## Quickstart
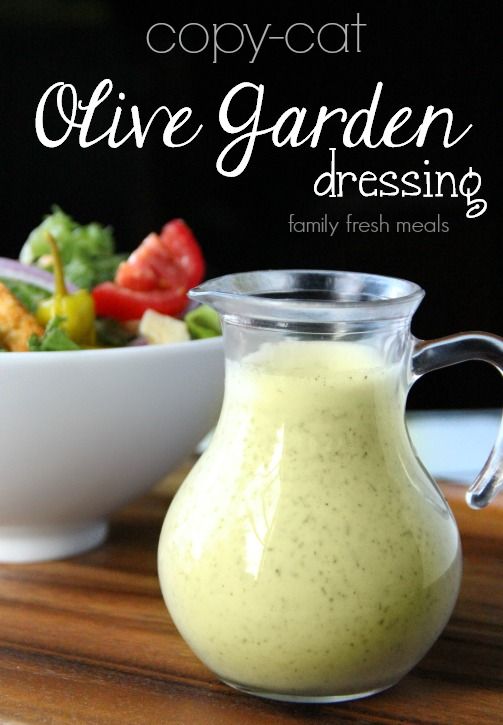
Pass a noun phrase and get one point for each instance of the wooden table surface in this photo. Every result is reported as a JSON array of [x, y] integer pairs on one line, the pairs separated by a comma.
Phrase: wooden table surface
[[88, 640]]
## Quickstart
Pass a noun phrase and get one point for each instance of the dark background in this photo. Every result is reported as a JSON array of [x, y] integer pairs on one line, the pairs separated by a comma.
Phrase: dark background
[[444, 54]]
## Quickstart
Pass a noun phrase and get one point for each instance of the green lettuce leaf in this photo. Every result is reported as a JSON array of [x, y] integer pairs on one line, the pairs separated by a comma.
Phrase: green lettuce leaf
[[111, 333], [28, 294], [87, 250], [54, 339]]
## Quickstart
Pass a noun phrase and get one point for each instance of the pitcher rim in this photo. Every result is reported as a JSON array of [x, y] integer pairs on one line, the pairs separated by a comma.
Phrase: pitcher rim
[[247, 293]]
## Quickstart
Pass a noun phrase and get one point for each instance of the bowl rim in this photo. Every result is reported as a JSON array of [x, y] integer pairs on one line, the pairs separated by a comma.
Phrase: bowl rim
[[130, 352]]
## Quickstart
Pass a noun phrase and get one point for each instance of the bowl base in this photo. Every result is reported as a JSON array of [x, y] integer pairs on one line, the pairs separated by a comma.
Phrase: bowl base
[[24, 544]]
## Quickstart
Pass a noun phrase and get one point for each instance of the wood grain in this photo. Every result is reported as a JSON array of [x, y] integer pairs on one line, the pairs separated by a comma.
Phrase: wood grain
[[88, 640]]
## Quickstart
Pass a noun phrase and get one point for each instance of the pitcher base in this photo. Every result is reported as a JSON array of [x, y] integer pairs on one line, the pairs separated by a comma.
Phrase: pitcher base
[[313, 699]]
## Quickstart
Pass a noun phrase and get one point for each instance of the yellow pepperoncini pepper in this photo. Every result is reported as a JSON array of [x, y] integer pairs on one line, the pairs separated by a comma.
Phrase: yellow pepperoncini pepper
[[75, 310]]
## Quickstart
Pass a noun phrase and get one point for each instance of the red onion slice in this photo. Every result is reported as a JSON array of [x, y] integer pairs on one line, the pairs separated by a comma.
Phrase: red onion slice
[[12, 269]]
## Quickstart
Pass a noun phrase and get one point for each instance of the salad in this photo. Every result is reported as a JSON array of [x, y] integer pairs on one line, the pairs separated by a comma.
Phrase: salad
[[70, 290]]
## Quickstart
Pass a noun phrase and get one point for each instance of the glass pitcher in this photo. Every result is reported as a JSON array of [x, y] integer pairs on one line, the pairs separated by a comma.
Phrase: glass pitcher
[[309, 556]]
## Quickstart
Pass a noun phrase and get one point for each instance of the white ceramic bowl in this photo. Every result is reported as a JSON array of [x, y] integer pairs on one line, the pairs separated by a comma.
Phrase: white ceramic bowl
[[83, 433]]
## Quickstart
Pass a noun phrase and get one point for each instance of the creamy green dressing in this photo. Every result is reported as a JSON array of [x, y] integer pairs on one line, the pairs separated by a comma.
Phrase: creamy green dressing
[[308, 552]]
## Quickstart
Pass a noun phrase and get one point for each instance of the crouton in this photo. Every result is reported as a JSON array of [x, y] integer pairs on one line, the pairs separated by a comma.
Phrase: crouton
[[17, 325]]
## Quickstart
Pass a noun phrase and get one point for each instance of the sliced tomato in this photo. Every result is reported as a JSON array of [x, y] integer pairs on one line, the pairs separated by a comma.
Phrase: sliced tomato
[[156, 276], [147, 269], [112, 300], [182, 245], [162, 261]]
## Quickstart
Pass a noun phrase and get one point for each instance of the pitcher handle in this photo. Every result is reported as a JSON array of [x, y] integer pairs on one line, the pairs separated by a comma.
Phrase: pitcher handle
[[434, 354]]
